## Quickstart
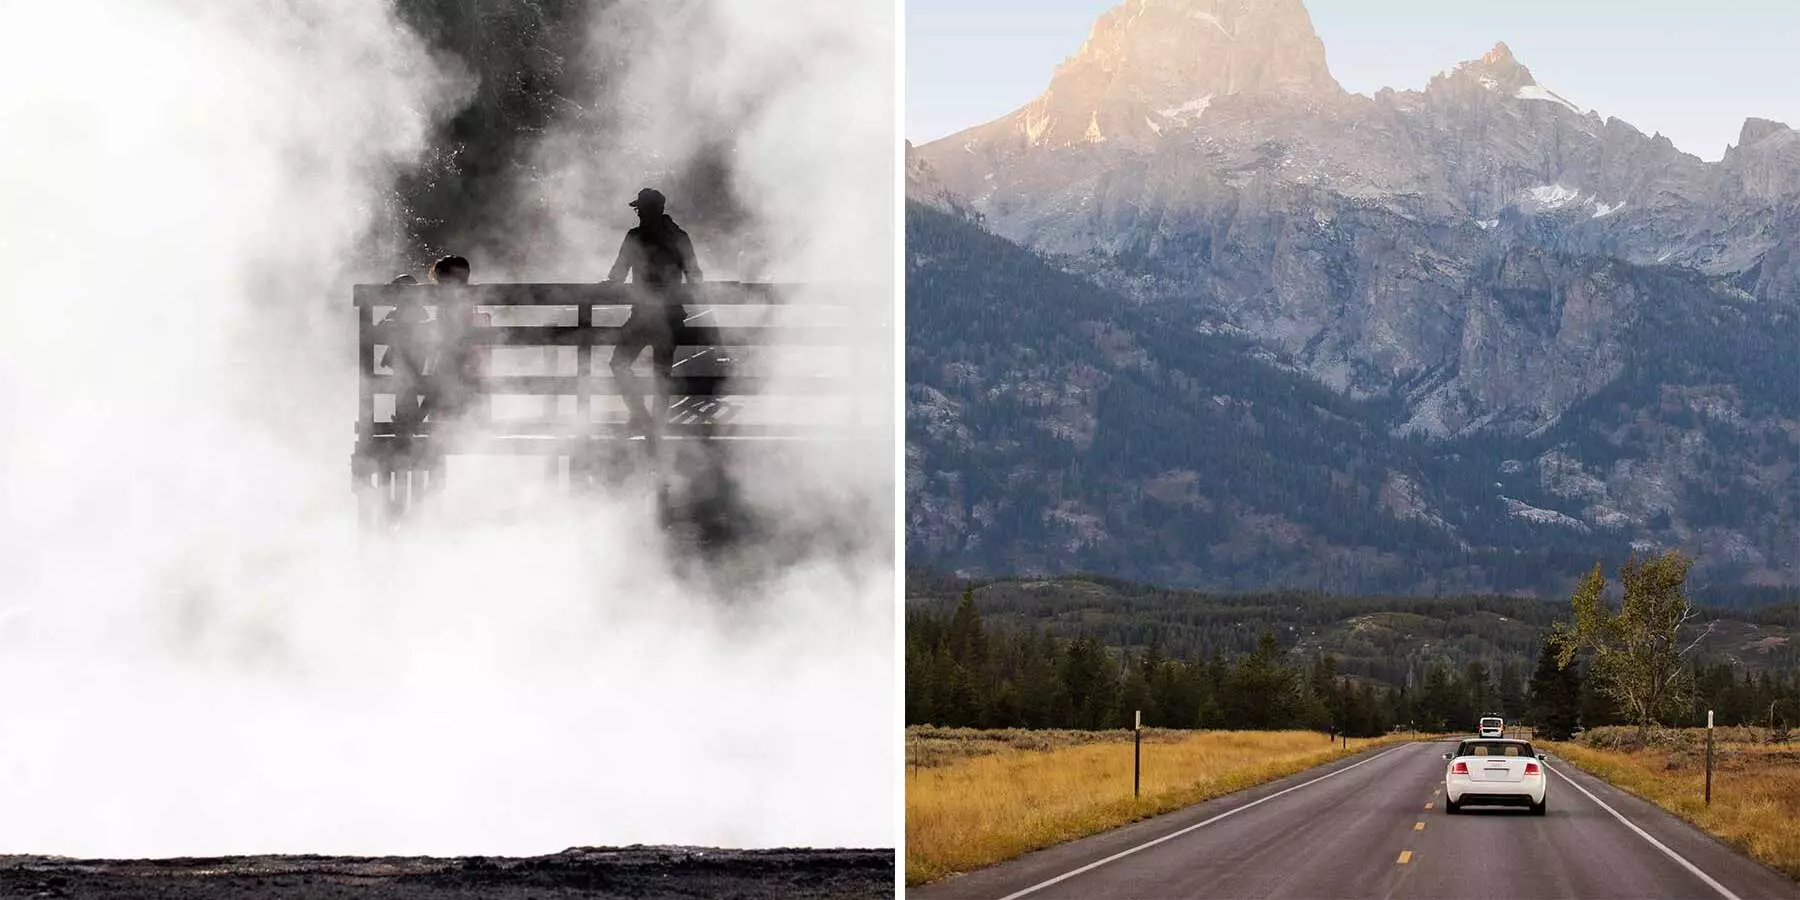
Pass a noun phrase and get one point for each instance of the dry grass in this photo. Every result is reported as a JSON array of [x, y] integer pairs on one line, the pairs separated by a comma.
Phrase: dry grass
[[1756, 785], [928, 747], [974, 798]]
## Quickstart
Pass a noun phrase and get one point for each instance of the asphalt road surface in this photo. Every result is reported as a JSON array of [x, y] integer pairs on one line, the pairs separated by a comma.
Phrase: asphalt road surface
[[631, 872], [1373, 825]]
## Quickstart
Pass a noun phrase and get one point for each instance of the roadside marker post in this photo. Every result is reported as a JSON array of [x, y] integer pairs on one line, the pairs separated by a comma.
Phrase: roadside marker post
[[1709, 756], [1137, 751]]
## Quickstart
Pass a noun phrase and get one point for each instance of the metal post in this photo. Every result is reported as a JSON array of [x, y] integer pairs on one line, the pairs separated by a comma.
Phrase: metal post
[[1137, 752], [1709, 756]]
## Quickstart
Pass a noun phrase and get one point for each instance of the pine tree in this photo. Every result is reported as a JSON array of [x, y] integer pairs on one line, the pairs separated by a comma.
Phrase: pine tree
[[1261, 693], [1555, 695]]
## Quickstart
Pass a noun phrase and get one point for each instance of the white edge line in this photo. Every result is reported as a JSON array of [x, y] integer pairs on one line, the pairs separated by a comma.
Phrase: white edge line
[[1175, 834], [1723, 891]]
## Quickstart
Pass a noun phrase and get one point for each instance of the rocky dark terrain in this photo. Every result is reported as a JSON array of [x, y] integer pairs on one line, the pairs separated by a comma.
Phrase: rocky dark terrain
[[631, 872], [1542, 328]]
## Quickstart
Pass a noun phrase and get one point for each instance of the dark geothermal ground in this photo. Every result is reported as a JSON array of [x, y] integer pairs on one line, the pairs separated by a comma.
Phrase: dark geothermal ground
[[635, 872]]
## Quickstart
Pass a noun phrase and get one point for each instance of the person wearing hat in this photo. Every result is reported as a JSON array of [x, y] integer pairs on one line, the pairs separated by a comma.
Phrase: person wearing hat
[[657, 255]]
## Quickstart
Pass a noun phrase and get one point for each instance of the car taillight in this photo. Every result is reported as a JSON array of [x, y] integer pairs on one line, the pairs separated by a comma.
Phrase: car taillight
[[1531, 768], [1460, 768]]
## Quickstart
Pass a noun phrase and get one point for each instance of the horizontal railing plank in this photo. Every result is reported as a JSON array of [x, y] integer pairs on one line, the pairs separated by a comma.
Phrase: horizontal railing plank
[[711, 293], [606, 335], [382, 435], [600, 385]]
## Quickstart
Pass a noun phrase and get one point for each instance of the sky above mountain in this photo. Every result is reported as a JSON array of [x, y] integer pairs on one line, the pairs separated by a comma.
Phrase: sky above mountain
[[1691, 71]]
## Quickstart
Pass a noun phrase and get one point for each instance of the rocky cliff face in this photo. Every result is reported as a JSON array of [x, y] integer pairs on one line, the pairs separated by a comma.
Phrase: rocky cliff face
[[1483, 257], [1362, 236], [924, 187]]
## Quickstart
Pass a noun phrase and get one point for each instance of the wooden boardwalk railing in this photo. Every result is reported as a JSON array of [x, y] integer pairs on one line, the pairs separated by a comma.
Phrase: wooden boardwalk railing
[[401, 457]]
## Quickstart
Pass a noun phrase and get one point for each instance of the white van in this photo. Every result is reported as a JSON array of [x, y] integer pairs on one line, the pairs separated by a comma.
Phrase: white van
[[1492, 727]]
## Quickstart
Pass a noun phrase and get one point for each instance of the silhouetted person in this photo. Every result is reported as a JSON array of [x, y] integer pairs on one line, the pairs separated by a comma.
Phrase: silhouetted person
[[658, 256], [450, 270], [407, 355], [414, 315], [458, 363]]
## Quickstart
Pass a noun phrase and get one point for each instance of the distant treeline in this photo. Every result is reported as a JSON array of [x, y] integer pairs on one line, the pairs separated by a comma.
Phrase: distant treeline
[[965, 670]]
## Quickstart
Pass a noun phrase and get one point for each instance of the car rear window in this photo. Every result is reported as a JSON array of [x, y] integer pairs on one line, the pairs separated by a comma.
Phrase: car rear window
[[1494, 748]]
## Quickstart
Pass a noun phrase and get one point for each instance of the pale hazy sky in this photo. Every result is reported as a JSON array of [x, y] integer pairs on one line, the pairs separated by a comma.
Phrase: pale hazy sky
[[1691, 70]]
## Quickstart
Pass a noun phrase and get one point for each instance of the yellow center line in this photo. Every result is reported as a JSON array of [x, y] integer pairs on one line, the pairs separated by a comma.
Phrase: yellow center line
[[1418, 826], [1405, 857], [1427, 806]]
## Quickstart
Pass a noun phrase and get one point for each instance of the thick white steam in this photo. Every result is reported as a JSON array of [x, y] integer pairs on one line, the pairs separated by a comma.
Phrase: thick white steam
[[198, 655]]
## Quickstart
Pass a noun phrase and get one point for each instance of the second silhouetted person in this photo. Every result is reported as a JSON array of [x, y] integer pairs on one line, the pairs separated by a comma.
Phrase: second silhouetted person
[[658, 256]]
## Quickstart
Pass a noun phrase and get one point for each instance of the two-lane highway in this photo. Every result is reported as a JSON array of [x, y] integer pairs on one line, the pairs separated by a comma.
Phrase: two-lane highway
[[1374, 826]]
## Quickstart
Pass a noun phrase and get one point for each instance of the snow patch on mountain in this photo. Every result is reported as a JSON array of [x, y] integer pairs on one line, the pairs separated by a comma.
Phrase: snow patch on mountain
[[1212, 20], [1522, 510], [1189, 112], [1539, 92], [1552, 196]]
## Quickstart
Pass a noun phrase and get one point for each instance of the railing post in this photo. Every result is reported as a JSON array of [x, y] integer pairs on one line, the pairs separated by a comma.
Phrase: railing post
[[365, 368], [584, 367], [582, 451]]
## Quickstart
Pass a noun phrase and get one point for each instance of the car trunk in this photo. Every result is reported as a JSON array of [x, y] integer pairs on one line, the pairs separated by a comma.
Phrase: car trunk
[[1496, 768]]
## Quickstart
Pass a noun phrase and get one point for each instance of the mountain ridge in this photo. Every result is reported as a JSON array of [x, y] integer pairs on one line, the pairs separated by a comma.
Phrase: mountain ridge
[[1477, 264]]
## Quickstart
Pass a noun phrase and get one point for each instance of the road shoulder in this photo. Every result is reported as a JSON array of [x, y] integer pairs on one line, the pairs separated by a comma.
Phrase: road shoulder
[[1736, 872]]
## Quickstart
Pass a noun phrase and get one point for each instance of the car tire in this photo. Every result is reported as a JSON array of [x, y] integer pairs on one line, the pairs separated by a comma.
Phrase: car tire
[[1451, 807], [1541, 807]]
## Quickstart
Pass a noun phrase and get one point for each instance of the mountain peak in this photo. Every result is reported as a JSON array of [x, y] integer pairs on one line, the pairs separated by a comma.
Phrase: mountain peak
[[1756, 129], [1212, 46], [1162, 62], [1497, 71], [1497, 68]]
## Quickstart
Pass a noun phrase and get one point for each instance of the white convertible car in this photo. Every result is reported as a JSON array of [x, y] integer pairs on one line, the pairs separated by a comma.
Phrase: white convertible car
[[1494, 772]]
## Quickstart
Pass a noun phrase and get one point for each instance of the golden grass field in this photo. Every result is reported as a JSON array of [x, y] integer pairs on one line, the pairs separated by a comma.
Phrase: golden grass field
[[974, 798], [1756, 785]]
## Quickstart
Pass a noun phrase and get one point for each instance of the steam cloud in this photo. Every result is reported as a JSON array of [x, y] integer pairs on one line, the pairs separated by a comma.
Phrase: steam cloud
[[197, 653]]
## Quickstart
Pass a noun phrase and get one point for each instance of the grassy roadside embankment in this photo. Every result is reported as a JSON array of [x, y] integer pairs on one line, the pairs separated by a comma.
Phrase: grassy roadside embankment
[[974, 798], [1756, 785]]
